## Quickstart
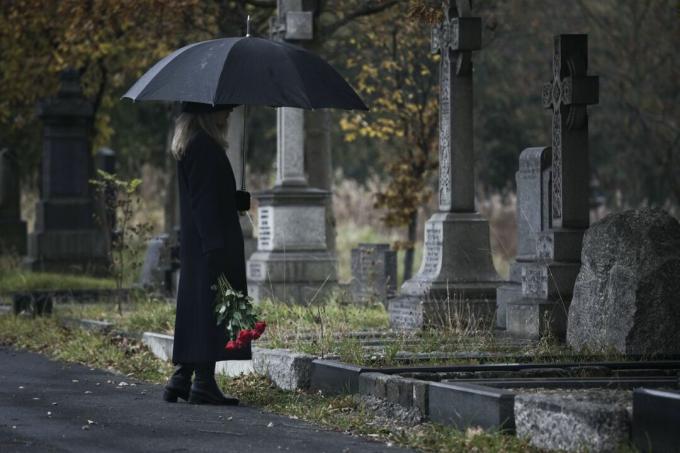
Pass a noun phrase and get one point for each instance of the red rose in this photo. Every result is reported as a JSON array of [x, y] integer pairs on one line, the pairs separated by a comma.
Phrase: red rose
[[231, 345], [256, 334], [245, 335], [260, 326], [238, 344]]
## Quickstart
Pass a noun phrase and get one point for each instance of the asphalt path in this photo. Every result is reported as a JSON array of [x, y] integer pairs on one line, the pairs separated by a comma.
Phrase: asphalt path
[[52, 406]]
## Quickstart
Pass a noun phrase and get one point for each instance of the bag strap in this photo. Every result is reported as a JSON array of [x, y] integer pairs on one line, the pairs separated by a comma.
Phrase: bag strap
[[243, 148]]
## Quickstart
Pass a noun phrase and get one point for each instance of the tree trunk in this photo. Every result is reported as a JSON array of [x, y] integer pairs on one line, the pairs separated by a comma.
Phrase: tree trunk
[[410, 252]]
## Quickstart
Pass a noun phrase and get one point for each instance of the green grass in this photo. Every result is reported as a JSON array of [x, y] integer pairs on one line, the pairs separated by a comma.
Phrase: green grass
[[345, 413], [30, 281], [47, 336], [142, 314]]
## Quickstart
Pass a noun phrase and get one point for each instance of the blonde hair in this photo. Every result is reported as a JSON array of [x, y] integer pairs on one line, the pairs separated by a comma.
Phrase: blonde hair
[[188, 124]]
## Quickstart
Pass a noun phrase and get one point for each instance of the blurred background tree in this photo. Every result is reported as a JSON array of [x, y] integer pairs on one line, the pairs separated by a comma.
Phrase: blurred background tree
[[382, 47]]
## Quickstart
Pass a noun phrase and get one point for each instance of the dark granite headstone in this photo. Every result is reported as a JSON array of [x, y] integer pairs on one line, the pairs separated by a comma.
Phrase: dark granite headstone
[[12, 228], [66, 237], [548, 279], [374, 273]]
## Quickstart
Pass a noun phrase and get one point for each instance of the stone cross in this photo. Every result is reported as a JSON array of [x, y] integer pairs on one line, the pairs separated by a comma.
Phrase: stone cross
[[456, 270], [455, 39], [568, 95], [291, 24]]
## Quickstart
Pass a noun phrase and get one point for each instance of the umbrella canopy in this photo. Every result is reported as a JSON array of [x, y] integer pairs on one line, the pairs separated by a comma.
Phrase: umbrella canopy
[[249, 71]]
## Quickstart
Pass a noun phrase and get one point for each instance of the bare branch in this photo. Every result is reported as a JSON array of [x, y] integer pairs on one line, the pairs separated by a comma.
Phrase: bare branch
[[367, 10]]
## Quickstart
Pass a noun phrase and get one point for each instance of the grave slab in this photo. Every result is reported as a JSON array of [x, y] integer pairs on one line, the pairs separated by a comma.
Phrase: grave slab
[[656, 418], [597, 420], [469, 405], [289, 370], [332, 377]]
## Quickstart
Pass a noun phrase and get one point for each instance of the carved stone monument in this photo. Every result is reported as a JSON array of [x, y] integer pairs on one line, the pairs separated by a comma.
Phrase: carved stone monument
[[12, 228], [66, 237], [292, 262], [533, 217], [456, 271], [548, 281], [374, 273]]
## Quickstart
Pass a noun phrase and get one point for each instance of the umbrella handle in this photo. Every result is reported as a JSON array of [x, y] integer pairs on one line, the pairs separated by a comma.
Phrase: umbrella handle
[[243, 148]]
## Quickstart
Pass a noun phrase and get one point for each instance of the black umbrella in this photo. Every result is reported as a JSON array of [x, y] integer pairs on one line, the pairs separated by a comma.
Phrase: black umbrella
[[248, 71]]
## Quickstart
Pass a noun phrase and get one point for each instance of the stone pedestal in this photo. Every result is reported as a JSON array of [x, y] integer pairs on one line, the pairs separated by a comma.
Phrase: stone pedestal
[[456, 282], [456, 277], [66, 237], [291, 263], [12, 228]]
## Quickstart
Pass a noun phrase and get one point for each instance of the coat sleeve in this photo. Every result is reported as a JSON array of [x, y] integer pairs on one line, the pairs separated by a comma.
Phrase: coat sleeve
[[210, 201]]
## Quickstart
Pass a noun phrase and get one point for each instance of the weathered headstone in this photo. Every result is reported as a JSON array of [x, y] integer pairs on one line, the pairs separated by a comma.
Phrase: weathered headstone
[[456, 271], [533, 217], [158, 266], [627, 294], [12, 228], [66, 237], [292, 262], [548, 281], [374, 273]]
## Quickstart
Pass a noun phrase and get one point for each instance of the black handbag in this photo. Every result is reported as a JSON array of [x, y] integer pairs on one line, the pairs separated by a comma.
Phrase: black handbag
[[243, 196]]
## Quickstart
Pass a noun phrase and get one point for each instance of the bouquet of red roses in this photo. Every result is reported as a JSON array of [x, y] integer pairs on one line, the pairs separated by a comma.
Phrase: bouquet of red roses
[[239, 315]]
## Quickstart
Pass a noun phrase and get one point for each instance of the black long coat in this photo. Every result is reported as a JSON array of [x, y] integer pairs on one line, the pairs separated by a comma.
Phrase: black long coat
[[211, 243]]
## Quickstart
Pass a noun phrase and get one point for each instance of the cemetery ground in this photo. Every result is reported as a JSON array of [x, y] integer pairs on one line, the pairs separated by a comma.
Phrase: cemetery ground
[[120, 352]]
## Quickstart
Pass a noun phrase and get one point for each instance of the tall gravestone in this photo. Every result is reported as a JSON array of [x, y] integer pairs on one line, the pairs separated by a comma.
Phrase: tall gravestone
[[548, 280], [533, 217], [66, 237], [456, 272], [12, 228], [292, 262]]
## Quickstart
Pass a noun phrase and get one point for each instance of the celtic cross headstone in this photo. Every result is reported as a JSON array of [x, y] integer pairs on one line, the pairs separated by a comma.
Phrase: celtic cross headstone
[[547, 278], [456, 269], [568, 95]]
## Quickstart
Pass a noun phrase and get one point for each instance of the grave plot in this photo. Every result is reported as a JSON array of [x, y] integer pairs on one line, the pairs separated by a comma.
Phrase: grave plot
[[555, 405]]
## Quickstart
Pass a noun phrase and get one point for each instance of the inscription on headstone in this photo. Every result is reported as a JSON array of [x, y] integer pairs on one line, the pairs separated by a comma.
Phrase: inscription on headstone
[[374, 273]]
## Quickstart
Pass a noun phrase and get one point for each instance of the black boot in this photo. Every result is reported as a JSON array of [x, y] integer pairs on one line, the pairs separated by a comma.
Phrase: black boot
[[204, 390], [179, 384]]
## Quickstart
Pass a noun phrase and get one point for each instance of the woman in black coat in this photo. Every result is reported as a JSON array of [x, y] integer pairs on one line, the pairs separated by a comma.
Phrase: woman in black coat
[[211, 243]]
